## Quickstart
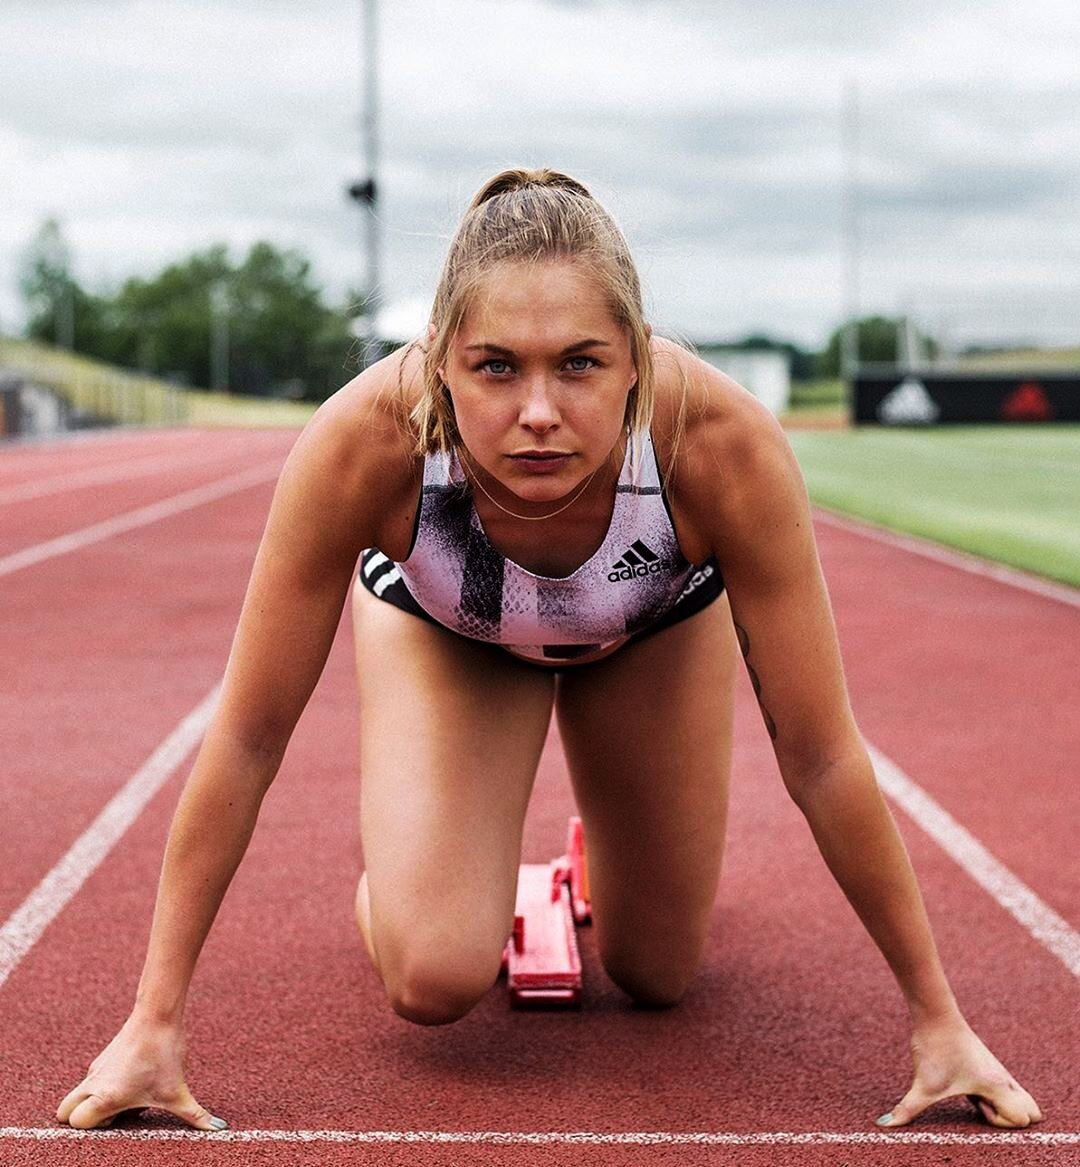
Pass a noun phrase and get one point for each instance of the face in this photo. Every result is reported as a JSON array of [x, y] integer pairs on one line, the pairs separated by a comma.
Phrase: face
[[539, 374]]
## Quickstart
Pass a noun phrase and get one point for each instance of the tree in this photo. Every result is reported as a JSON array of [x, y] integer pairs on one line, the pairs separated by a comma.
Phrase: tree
[[259, 326], [281, 333], [877, 343], [59, 311]]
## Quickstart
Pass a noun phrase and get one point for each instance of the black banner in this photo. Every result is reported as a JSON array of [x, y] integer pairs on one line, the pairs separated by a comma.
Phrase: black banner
[[934, 398]]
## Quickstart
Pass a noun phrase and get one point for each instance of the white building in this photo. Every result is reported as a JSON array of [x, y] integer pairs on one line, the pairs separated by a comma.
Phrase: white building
[[766, 373]]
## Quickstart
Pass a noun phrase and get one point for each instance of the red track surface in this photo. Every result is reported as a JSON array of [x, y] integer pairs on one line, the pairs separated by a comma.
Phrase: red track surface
[[793, 1024]]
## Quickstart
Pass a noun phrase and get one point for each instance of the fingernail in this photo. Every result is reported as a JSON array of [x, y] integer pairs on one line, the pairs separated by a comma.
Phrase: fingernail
[[885, 1119], [219, 1124]]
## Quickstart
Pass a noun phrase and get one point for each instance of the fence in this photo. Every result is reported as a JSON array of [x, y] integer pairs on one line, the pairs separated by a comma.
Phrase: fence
[[96, 394]]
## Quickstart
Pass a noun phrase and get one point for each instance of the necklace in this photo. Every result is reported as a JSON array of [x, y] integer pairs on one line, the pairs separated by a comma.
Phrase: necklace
[[533, 518]]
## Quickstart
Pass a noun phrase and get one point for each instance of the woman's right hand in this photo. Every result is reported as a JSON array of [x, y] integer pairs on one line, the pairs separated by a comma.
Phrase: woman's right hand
[[142, 1066]]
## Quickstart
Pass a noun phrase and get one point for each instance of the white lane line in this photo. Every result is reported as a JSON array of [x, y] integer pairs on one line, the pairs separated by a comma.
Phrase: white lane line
[[102, 436], [26, 924], [568, 1138], [1040, 920], [961, 560], [96, 476], [76, 540]]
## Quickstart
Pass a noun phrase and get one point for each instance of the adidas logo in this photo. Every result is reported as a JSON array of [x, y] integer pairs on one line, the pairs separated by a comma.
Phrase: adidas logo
[[637, 560], [908, 403]]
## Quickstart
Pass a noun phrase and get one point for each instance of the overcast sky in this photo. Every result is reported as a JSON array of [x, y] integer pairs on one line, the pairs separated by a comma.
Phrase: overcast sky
[[712, 130]]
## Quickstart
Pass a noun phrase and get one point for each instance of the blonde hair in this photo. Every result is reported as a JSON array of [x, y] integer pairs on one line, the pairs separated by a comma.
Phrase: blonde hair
[[530, 216]]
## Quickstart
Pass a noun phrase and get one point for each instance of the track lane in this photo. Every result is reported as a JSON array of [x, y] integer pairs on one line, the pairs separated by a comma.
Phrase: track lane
[[970, 686], [25, 525], [793, 1025], [23, 462], [108, 647], [791, 986]]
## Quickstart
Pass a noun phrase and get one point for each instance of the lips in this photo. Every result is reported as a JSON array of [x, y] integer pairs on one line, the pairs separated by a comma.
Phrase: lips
[[540, 460]]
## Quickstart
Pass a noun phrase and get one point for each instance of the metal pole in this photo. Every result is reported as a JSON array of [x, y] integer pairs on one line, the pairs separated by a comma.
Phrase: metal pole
[[849, 347], [371, 146], [219, 336], [366, 191], [65, 316]]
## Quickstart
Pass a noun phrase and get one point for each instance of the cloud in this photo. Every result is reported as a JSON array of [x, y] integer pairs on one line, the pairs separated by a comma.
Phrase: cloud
[[712, 132]]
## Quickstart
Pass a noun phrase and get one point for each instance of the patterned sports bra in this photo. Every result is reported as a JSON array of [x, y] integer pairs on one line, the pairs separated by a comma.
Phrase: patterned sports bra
[[462, 582]]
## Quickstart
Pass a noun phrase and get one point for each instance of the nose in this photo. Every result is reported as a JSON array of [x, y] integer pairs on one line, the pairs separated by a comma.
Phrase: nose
[[539, 410]]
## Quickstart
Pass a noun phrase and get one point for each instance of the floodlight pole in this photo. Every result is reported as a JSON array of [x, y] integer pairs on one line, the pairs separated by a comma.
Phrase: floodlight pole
[[850, 231], [219, 336], [366, 191]]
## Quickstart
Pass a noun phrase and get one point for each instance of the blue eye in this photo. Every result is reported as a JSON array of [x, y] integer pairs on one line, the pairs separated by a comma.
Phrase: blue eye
[[495, 361], [589, 363]]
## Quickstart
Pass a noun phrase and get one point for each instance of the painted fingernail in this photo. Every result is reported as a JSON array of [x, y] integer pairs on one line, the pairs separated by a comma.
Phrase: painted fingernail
[[218, 1124], [885, 1119]]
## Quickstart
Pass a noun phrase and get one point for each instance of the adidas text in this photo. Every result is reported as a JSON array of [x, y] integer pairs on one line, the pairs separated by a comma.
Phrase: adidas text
[[642, 569]]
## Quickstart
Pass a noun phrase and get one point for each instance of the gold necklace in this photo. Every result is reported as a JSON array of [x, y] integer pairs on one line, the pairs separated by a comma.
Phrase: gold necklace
[[532, 518]]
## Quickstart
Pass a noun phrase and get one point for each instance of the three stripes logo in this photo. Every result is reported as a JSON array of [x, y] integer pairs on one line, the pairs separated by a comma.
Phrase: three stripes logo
[[637, 560]]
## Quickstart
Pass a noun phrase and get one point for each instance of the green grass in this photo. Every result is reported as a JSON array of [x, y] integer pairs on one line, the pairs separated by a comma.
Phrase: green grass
[[1010, 493], [806, 394], [1026, 360], [230, 409]]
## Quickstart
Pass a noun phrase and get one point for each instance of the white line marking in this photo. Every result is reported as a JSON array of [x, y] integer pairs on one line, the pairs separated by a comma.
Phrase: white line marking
[[102, 435], [53, 893], [962, 560], [97, 475], [1041, 921], [76, 540], [567, 1138]]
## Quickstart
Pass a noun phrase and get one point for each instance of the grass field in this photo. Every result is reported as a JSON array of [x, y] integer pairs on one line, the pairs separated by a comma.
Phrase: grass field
[[1010, 493]]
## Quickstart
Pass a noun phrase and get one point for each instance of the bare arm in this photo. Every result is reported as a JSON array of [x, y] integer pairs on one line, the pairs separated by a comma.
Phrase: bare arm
[[291, 611], [322, 515], [759, 526]]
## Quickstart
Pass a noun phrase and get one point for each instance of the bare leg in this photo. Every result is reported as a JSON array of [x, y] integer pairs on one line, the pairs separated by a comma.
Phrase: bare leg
[[450, 736], [648, 738]]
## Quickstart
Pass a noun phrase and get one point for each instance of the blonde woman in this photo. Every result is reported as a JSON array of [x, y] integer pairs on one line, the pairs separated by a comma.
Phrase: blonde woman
[[552, 509]]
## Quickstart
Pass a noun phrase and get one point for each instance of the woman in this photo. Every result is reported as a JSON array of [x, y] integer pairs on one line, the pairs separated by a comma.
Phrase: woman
[[560, 510]]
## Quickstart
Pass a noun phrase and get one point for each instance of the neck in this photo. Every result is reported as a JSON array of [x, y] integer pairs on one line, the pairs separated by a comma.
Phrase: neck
[[593, 485]]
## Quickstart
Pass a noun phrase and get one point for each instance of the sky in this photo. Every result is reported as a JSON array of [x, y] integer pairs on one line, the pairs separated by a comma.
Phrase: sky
[[712, 129]]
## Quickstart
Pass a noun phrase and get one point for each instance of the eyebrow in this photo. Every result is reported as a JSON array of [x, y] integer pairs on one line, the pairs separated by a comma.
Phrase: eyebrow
[[569, 350]]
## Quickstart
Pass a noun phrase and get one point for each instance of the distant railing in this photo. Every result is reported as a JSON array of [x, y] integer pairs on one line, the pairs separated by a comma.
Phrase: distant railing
[[96, 393]]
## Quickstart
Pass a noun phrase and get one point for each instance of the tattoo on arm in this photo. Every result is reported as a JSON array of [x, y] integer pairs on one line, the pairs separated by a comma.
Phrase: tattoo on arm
[[744, 644]]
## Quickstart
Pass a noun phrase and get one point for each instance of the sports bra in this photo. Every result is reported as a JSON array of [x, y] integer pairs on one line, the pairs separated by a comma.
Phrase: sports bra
[[461, 581]]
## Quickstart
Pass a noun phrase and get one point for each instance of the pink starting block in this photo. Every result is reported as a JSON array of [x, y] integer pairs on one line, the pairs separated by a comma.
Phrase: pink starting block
[[542, 961]]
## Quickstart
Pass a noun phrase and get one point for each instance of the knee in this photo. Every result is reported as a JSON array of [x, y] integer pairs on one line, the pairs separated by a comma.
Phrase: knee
[[435, 995], [659, 985]]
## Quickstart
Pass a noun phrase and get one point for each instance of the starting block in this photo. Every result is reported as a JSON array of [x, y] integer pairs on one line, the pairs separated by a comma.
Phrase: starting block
[[542, 961]]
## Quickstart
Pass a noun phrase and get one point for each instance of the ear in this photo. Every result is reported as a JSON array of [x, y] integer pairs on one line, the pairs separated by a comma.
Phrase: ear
[[431, 330], [648, 336]]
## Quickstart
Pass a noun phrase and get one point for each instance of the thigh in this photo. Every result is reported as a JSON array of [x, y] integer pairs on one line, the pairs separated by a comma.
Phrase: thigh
[[450, 735], [647, 735]]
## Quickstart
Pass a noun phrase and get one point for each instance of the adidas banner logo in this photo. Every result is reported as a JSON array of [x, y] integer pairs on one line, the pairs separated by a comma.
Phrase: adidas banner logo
[[637, 560], [908, 403]]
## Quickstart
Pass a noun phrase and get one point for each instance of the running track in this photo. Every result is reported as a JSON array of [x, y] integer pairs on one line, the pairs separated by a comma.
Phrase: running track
[[123, 560]]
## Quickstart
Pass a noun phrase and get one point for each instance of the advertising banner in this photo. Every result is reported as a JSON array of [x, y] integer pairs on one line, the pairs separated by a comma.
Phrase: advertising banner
[[934, 398]]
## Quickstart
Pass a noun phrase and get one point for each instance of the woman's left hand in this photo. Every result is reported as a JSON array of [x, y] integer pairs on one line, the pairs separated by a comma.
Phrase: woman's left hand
[[951, 1060]]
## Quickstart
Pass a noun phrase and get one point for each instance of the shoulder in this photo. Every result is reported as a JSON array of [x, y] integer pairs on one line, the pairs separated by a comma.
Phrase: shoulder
[[730, 469], [356, 457], [369, 416]]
